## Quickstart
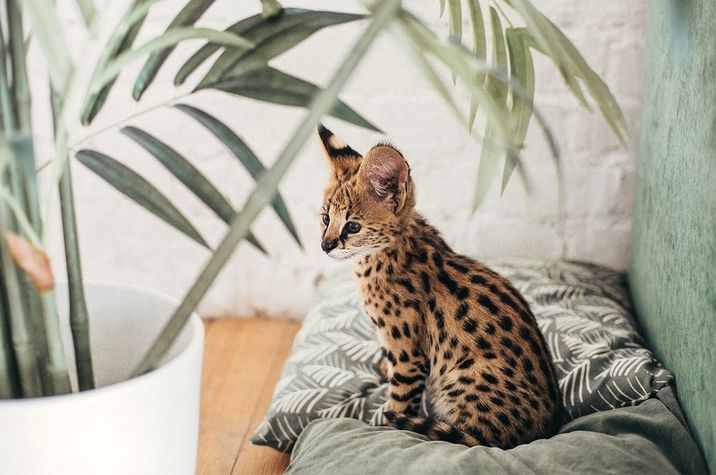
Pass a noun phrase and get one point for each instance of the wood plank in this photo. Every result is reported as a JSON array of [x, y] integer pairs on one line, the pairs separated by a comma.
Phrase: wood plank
[[255, 459], [242, 362]]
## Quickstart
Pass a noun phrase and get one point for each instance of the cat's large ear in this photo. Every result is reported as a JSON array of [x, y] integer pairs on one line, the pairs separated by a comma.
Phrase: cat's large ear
[[344, 161], [386, 175]]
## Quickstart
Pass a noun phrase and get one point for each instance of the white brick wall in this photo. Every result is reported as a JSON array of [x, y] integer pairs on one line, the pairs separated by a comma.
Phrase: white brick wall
[[120, 242]]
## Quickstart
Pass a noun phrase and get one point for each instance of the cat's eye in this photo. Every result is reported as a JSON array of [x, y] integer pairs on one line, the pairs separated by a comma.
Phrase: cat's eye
[[352, 227], [325, 218]]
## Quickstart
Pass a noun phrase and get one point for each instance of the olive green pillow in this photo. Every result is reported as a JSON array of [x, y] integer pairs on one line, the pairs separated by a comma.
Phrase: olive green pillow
[[646, 439]]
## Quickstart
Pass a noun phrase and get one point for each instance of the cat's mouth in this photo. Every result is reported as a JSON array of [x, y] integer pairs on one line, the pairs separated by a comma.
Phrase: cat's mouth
[[341, 254]]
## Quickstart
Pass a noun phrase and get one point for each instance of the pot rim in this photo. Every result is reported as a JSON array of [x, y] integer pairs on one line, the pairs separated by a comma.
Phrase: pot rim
[[195, 324]]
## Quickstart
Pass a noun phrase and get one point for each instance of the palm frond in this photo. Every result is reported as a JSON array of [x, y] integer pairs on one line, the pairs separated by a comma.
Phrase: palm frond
[[272, 36], [357, 349], [575, 383], [185, 172], [188, 15], [352, 406], [245, 155], [327, 376], [576, 324], [139, 190], [583, 349], [272, 85], [120, 41], [170, 38], [624, 365], [301, 401]]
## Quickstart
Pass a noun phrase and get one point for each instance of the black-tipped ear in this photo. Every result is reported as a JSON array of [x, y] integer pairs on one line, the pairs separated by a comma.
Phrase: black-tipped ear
[[334, 146], [343, 159]]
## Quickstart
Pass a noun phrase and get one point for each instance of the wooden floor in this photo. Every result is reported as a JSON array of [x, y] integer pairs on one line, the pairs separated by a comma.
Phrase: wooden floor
[[242, 362]]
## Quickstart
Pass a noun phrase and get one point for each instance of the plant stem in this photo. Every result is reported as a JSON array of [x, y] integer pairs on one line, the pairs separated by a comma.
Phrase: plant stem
[[25, 158], [22, 343], [24, 189], [79, 320], [9, 382], [20, 87], [21, 222], [266, 187], [22, 288], [55, 362], [6, 107], [116, 123], [20, 153], [35, 314]]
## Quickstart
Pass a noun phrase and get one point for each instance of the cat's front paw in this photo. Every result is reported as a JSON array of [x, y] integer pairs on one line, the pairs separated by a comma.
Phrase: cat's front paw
[[390, 417], [384, 370], [394, 407], [382, 416]]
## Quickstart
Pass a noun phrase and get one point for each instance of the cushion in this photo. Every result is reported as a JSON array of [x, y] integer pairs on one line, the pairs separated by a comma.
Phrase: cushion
[[632, 440], [582, 310]]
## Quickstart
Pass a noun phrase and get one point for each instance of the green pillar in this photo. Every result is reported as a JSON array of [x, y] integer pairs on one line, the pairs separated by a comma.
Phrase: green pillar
[[673, 250]]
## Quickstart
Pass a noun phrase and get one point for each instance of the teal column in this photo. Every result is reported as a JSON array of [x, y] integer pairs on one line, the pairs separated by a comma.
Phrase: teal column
[[673, 251]]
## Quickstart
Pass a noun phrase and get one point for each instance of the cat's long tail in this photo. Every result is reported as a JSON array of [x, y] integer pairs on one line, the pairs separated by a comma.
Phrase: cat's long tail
[[432, 428]]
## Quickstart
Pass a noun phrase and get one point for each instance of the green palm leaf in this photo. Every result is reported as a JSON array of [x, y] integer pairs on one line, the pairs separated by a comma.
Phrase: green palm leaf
[[47, 30], [271, 85], [455, 25], [546, 37], [120, 41], [490, 155], [169, 38], [273, 36], [203, 53], [187, 16], [185, 172], [596, 86], [522, 69], [245, 155], [133, 186], [479, 49], [460, 60], [455, 20]]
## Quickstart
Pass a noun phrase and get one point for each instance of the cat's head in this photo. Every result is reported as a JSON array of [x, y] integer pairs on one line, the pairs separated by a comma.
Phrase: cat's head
[[368, 199]]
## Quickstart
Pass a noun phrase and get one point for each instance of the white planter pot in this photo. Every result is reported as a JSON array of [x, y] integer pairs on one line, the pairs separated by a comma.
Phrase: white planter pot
[[147, 424]]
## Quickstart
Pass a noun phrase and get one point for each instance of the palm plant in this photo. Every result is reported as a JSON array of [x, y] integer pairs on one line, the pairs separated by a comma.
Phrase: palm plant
[[500, 84]]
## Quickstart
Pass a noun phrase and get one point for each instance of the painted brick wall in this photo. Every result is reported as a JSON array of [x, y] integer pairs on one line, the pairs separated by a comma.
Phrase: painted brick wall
[[121, 243]]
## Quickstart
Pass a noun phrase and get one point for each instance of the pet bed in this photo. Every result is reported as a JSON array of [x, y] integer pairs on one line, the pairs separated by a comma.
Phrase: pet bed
[[603, 367]]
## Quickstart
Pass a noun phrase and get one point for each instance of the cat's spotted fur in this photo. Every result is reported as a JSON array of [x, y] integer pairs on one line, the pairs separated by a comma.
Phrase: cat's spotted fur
[[449, 326]]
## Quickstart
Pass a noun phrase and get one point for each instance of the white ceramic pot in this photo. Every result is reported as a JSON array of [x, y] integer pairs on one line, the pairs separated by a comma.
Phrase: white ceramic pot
[[148, 424]]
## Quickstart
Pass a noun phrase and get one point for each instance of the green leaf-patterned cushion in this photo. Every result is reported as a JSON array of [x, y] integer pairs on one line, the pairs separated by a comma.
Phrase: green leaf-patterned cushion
[[582, 310]]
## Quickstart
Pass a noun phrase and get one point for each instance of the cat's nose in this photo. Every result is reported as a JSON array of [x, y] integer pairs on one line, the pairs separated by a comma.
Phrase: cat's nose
[[328, 246]]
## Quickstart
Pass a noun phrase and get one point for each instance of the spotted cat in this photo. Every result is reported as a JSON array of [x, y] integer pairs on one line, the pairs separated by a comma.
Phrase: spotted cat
[[449, 327]]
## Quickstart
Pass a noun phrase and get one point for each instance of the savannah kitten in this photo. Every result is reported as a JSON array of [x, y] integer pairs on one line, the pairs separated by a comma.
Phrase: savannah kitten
[[448, 325]]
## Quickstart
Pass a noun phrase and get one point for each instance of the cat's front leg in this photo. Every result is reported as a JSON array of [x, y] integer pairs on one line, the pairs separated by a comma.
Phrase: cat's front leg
[[406, 370]]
